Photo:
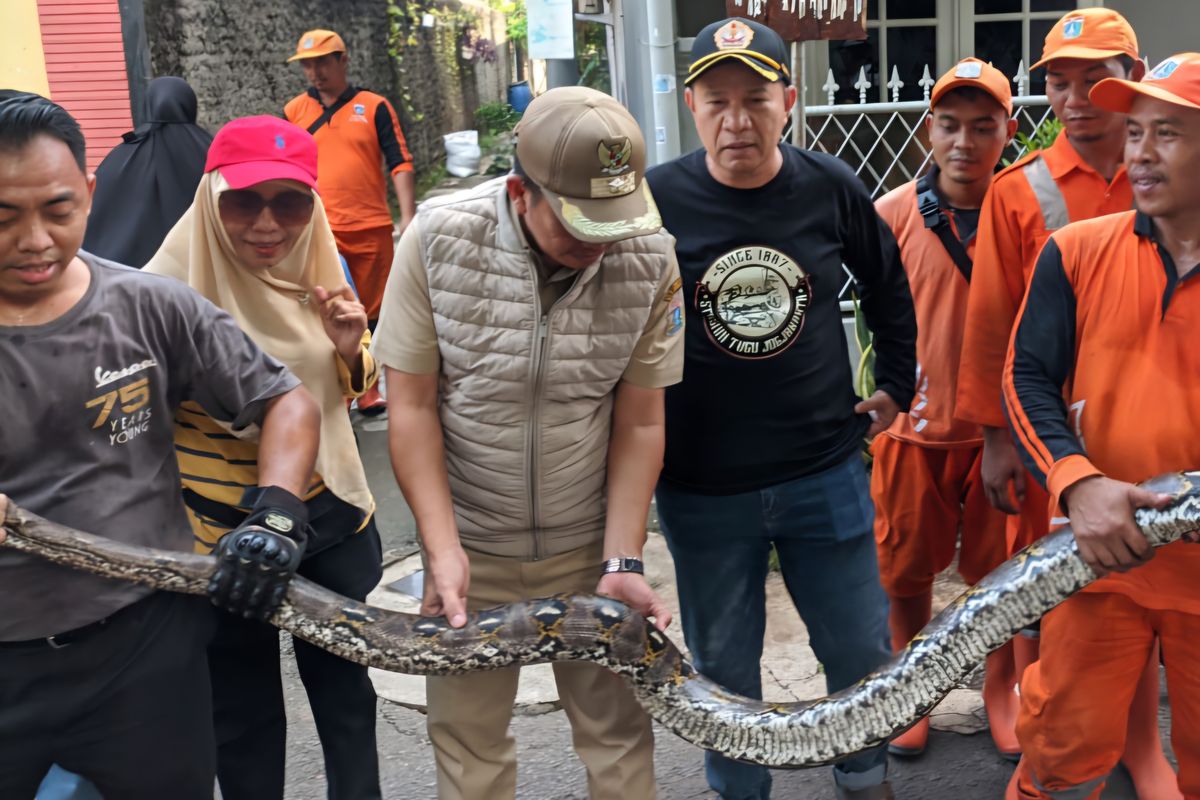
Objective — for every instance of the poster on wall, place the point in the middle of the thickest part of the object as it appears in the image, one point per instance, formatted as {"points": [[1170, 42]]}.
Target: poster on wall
{"points": [[551, 25], [806, 20]]}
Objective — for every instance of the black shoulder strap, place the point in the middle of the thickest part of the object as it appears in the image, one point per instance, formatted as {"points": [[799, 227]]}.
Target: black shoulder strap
{"points": [[935, 219], [337, 106]]}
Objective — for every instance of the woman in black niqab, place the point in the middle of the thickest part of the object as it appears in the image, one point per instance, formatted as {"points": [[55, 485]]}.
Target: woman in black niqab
{"points": [[146, 183]]}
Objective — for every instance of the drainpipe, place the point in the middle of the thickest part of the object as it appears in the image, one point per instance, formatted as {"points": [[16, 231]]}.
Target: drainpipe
{"points": [[660, 20]]}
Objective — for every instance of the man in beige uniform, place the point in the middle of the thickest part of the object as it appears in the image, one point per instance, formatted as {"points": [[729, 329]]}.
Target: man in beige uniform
{"points": [[529, 328]]}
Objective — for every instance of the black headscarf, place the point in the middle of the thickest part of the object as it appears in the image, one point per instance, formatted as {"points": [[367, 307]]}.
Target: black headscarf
{"points": [[146, 183]]}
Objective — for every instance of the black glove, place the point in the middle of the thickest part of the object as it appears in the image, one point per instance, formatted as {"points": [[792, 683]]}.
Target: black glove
{"points": [[257, 559]]}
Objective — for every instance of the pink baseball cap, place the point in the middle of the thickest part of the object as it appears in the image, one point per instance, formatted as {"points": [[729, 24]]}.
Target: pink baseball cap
{"points": [[251, 150]]}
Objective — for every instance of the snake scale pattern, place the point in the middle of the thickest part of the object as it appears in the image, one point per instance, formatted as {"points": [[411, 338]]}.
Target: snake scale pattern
{"points": [[606, 632]]}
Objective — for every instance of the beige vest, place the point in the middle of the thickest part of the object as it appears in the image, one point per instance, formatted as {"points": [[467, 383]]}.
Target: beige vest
{"points": [[526, 394]]}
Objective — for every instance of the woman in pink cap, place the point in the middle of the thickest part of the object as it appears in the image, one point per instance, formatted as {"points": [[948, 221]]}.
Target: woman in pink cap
{"points": [[257, 244]]}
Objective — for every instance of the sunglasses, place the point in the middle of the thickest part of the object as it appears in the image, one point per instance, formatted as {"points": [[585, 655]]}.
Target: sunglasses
{"points": [[288, 208]]}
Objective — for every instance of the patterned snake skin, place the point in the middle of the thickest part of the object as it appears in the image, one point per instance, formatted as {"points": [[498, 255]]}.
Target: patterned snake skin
{"points": [[606, 632]]}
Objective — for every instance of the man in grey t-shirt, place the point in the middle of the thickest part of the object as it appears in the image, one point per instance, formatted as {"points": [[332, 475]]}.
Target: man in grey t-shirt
{"points": [[107, 679]]}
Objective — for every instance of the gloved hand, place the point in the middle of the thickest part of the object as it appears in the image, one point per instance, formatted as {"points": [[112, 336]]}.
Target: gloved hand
{"points": [[257, 559]]}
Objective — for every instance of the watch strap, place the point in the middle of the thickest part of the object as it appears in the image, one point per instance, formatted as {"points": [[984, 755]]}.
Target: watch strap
{"points": [[623, 564]]}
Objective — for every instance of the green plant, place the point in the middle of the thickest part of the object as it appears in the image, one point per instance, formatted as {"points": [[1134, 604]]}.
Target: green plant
{"points": [[495, 118], [517, 27], [864, 376], [1042, 137]]}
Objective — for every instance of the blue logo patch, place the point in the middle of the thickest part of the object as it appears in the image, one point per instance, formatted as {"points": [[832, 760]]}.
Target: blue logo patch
{"points": [[674, 321], [359, 108], [279, 143], [1164, 70], [1073, 28]]}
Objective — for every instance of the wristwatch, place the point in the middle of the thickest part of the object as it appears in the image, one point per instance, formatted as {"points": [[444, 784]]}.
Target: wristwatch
{"points": [[622, 564]]}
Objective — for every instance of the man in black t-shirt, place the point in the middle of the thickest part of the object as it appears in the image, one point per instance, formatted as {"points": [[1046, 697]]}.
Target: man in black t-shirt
{"points": [[764, 432], [105, 678]]}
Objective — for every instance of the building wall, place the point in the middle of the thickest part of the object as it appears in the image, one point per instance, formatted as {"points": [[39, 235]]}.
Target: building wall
{"points": [[1163, 27], [234, 54], [84, 60], [22, 60]]}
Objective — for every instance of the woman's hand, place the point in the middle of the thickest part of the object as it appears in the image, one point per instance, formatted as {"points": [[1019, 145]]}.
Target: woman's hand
{"points": [[345, 319]]}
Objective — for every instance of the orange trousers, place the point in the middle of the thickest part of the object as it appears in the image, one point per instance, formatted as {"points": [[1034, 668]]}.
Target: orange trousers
{"points": [[923, 496], [368, 253], [1075, 699], [1033, 522]]}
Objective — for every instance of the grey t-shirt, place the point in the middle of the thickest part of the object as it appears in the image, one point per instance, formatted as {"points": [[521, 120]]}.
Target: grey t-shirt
{"points": [[86, 437]]}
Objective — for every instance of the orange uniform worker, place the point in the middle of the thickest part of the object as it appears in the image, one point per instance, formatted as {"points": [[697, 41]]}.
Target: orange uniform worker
{"points": [[358, 140], [1079, 177], [1111, 315], [926, 480]]}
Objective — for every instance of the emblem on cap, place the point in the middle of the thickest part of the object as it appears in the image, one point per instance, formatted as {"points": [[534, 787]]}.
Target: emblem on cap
{"points": [[359, 108], [733, 35], [279, 143], [1163, 70], [308, 43], [968, 69], [1073, 28], [614, 155]]}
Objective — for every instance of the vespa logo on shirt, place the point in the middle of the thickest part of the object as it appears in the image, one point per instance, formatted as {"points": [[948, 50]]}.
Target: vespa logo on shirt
{"points": [[753, 301]]}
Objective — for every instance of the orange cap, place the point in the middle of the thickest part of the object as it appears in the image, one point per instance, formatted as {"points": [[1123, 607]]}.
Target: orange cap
{"points": [[978, 74], [1176, 80], [317, 43], [1089, 33]]}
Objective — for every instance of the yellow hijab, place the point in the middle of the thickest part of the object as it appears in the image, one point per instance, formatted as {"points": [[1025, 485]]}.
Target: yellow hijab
{"points": [[278, 311]]}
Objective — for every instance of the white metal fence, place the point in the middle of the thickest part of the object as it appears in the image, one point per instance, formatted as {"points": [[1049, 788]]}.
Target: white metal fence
{"points": [[886, 143]]}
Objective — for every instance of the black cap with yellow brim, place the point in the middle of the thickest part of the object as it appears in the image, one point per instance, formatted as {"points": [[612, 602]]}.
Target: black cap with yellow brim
{"points": [[752, 43]]}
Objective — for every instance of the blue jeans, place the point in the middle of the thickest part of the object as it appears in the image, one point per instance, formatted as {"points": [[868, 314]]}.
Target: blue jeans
{"points": [[62, 785], [821, 526]]}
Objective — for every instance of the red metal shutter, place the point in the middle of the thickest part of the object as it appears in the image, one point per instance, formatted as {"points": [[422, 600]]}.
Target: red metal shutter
{"points": [[85, 66]]}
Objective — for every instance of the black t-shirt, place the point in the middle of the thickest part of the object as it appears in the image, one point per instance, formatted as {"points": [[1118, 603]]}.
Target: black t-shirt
{"points": [[767, 391]]}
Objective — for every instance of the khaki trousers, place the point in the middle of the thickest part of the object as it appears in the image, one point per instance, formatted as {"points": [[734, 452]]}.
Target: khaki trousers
{"points": [[469, 715]]}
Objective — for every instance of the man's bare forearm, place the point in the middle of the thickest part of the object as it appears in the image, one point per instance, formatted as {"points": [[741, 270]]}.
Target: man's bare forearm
{"points": [[635, 458], [419, 457], [287, 446], [406, 196]]}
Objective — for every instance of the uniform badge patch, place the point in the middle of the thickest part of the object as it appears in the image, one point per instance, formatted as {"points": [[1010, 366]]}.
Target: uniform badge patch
{"points": [[1163, 70], [359, 108], [1073, 28], [674, 323], [733, 35], [614, 155], [753, 301], [968, 69]]}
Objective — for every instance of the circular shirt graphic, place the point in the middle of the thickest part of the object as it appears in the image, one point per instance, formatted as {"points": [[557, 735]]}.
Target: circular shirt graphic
{"points": [[753, 300]]}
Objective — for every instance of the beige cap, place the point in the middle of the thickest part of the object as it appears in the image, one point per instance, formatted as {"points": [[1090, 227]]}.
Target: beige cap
{"points": [[586, 153]]}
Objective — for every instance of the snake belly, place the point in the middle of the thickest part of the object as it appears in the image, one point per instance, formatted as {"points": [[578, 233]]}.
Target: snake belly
{"points": [[607, 632]]}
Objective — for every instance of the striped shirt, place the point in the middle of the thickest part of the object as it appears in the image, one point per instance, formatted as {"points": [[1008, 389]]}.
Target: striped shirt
{"points": [[221, 466]]}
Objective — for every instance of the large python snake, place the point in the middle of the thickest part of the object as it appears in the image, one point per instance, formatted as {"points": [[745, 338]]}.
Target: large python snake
{"points": [[606, 632]]}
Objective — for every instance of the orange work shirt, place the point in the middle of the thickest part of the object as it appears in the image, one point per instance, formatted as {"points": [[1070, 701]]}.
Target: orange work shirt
{"points": [[355, 147], [939, 293], [1107, 320], [1026, 203]]}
